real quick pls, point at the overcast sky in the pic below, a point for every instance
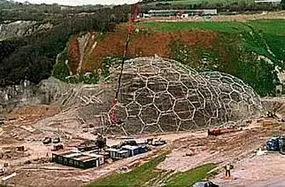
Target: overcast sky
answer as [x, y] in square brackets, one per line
[81, 2]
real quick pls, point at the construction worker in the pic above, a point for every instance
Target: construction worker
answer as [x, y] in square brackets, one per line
[228, 168]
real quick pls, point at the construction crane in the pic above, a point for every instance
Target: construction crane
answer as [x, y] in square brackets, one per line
[134, 15]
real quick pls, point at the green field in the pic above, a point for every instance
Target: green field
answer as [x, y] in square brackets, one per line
[249, 50]
[275, 27]
[148, 175]
[265, 37]
[224, 27]
[136, 177]
[192, 176]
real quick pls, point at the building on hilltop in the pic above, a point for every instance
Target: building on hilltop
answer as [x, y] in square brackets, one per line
[182, 13]
[268, 1]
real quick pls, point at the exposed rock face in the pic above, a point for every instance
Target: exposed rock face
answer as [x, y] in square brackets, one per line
[80, 51]
[27, 93]
[21, 28]
[11, 96]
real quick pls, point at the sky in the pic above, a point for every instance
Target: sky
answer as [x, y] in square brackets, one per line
[81, 2]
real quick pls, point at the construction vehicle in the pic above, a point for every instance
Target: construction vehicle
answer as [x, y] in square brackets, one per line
[47, 140]
[159, 142]
[153, 142]
[276, 143]
[1, 121]
[57, 147]
[126, 142]
[216, 132]
[205, 184]
[101, 141]
[88, 146]
[95, 145]
[56, 140]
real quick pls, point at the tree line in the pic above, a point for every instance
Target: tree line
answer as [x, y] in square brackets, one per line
[222, 7]
[33, 57]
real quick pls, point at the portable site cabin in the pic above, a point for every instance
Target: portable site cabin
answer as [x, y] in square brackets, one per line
[77, 159]
[106, 155]
[135, 150]
[100, 157]
[118, 154]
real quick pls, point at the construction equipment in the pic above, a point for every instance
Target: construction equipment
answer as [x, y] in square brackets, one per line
[276, 143]
[56, 140]
[126, 142]
[216, 132]
[95, 145]
[157, 142]
[88, 146]
[57, 147]
[2, 121]
[205, 183]
[135, 13]
[47, 140]
[101, 141]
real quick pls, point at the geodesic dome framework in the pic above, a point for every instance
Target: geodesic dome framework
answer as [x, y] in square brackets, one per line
[159, 95]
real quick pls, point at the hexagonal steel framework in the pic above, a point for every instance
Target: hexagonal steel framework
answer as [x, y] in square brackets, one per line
[161, 95]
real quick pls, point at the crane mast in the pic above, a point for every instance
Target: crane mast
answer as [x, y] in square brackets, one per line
[135, 13]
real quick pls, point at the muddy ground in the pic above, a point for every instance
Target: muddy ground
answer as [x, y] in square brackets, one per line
[28, 126]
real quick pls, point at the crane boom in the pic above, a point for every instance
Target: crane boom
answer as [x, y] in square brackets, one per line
[135, 13]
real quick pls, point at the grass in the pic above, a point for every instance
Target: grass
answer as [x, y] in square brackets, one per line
[273, 34]
[147, 175]
[274, 27]
[192, 176]
[223, 27]
[259, 35]
[136, 177]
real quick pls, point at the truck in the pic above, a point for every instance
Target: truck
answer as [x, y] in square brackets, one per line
[276, 143]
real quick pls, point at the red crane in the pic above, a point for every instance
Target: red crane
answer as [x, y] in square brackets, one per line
[135, 13]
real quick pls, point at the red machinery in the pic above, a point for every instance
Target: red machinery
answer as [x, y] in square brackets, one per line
[216, 132]
[135, 13]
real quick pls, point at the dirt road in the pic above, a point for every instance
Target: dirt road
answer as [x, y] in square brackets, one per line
[264, 170]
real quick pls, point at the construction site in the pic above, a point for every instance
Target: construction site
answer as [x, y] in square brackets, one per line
[201, 118]
[145, 107]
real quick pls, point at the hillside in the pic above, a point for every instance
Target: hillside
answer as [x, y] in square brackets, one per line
[250, 50]
[195, 93]
[29, 49]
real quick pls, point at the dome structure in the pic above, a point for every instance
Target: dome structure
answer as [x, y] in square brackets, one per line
[163, 95]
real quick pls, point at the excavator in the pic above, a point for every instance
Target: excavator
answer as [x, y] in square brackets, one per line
[114, 118]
